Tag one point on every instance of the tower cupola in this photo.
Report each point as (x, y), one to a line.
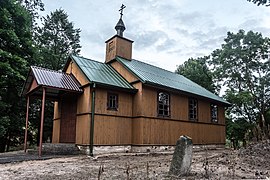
(118, 45)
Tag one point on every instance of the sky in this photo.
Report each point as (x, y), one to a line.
(165, 32)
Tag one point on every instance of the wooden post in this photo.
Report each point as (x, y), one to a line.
(26, 124)
(41, 121)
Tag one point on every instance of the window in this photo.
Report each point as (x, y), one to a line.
(112, 101)
(111, 46)
(193, 109)
(163, 104)
(214, 112)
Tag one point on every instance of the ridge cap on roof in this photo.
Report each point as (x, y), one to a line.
(88, 59)
(46, 69)
(149, 65)
(155, 66)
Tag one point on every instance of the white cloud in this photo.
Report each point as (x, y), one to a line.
(165, 33)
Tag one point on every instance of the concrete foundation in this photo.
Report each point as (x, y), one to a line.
(140, 149)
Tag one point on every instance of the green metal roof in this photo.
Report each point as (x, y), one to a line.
(101, 73)
(149, 74)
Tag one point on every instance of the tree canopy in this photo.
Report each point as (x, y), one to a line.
(260, 2)
(56, 39)
(243, 65)
(16, 52)
(198, 71)
(23, 42)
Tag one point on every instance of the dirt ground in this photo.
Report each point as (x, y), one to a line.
(250, 163)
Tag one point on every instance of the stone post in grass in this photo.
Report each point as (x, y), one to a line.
(182, 157)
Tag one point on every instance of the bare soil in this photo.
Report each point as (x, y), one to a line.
(250, 163)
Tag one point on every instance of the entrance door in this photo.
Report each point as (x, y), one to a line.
(68, 120)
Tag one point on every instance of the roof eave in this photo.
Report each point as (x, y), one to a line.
(99, 84)
(225, 103)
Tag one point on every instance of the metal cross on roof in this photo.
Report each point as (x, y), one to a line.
(121, 10)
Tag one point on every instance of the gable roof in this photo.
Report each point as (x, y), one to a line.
(101, 73)
(150, 74)
(54, 80)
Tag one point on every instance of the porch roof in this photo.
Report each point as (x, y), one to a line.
(56, 83)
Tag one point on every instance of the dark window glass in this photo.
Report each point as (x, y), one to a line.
(214, 112)
(163, 104)
(112, 101)
(193, 109)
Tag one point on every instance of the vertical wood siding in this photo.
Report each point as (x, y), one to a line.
(123, 71)
(68, 120)
(75, 70)
(166, 132)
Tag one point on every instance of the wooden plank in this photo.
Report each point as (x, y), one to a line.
(137, 100)
(84, 101)
(221, 115)
(42, 121)
(124, 72)
(164, 132)
(33, 85)
(57, 110)
(124, 103)
(111, 130)
(204, 111)
(83, 129)
(68, 120)
(26, 123)
(77, 73)
(56, 131)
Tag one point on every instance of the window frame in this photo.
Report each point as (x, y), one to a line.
(214, 119)
(193, 113)
(109, 104)
(163, 114)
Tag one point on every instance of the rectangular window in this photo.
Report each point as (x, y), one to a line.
(214, 113)
(111, 46)
(193, 109)
(163, 104)
(112, 101)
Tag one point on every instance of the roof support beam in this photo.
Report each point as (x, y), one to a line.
(42, 121)
(26, 124)
(92, 121)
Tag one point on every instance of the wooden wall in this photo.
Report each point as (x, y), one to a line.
(124, 72)
(178, 106)
(147, 128)
(75, 70)
(113, 127)
(118, 46)
(110, 130)
(157, 131)
(136, 120)
(83, 110)
(56, 123)
(83, 117)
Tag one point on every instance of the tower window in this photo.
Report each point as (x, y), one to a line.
(111, 46)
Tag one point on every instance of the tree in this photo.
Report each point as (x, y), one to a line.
(198, 71)
(56, 39)
(243, 65)
(260, 2)
(16, 51)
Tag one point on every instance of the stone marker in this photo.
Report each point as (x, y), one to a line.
(182, 157)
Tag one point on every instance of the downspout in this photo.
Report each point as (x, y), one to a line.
(92, 120)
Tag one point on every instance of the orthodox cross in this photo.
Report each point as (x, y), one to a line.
(121, 10)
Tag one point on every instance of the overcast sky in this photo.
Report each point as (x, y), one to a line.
(165, 32)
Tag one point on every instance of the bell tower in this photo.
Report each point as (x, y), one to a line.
(118, 45)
